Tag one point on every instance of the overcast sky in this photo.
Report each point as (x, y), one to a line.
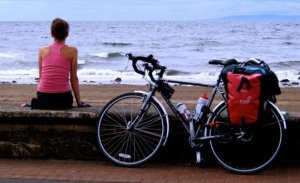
(108, 10)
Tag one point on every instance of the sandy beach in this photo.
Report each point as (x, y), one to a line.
(98, 95)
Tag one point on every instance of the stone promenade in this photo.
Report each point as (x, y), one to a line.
(50, 171)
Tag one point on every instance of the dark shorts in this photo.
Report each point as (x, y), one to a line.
(52, 100)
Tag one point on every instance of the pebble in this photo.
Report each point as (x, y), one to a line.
(117, 81)
(91, 81)
(284, 81)
(5, 82)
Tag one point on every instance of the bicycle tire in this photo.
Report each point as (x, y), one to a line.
(130, 147)
(253, 151)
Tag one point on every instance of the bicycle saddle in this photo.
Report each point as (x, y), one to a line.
(223, 62)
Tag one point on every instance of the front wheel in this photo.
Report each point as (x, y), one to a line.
(128, 135)
(247, 149)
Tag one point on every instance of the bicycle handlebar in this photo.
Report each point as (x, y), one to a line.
(154, 65)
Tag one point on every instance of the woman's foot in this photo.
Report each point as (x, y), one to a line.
(27, 104)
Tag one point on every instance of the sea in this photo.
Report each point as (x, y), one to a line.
(184, 47)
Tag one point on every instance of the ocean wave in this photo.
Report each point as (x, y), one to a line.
(14, 64)
(18, 73)
(287, 43)
(9, 55)
(267, 38)
(81, 62)
(209, 43)
(288, 64)
(107, 55)
(172, 72)
(96, 72)
(116, 44)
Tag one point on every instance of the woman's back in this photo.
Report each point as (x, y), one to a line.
(55, 69)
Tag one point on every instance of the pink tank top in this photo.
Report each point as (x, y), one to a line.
(55, 71)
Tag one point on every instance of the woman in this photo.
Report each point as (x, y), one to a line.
(57, 68)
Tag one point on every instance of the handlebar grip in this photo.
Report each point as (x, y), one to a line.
(136, 69)
(134, 61)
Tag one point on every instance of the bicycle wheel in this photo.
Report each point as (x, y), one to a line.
(126, 144)
(247, 149)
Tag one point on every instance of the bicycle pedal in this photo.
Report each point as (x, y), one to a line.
(198, 157)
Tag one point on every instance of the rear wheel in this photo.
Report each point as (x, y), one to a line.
(126, 137)
(247, 149)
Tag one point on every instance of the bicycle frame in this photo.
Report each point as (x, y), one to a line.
(216, 88)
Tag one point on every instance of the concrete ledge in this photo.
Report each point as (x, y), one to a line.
(10, 111)
(13, 111)
(71, 134)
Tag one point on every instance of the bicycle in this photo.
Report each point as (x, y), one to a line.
(133, 126)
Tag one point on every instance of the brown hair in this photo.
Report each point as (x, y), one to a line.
(59, 29)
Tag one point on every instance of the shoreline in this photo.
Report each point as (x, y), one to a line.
(283, 83)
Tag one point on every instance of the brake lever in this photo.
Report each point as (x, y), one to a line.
(126, 64)
(129, 55)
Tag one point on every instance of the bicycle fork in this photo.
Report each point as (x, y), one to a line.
(144, 108)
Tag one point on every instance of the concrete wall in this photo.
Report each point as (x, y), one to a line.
(71, 134)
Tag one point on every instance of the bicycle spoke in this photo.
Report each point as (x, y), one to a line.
(118, 115)
(113, 135)
(149, 133)
(148, 143)
(113, 143)
(273, 123)
(112, 119)
(138, 149)
(125, 147)
(147, 123)
(133, 112)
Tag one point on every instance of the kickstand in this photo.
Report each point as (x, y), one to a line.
(198, 157)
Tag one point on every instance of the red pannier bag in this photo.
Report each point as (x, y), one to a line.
(249, 85)
(244, 98)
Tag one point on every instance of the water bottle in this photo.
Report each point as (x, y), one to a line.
(202, 101)
(185, 113)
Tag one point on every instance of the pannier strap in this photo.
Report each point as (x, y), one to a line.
(244, 81)
(243, 120)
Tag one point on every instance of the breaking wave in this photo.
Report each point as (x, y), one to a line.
(107, 55)
(116, 44)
